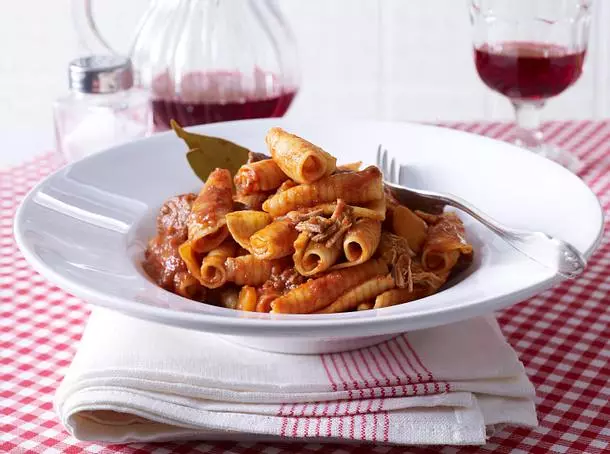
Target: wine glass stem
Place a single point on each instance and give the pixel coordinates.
(529, 133)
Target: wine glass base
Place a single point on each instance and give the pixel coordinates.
(559, 155)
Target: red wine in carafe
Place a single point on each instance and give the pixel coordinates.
(213, 97)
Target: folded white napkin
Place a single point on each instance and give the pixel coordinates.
(133, 380)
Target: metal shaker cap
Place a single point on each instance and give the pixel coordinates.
(101, 74)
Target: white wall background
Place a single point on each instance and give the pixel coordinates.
(389, 59)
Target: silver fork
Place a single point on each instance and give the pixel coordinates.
(548, 251)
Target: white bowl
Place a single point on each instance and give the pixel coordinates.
(85, 228)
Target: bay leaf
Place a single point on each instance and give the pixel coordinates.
(207, 153)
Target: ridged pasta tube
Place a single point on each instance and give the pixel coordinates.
(274, 241)
(312, 258)
(399, 296)
(445, 241)
(243, 224)
(248, 270)
(408, 225)
(360, 242)
(259, 176)
(213, 269)
(375, 209)
(319, 293)
(206, 224)
(186, 285)
(353, 188)
(252, 201)
(191, 259)
(360, 294)
(301, 160)
(247, 299)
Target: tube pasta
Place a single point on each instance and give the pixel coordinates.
(186, 285)
(243, 224)
(408, 225)
(360, 242)
(247, 299)
(350, 167)
(312, 258)
(359, 294)
(318, 293)
(252, 201)
(213, 270)
(248, 270)
(444, 244)
(264, 302)
(399, 296)
(274, 241)
(191, 259)
(301, 160)
(206, 223)
(353, 188)
(375, 209)
(259, 176)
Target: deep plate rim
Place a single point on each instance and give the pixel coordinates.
(278, 325)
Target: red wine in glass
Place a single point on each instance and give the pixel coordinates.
(528, 70)
(217, 96)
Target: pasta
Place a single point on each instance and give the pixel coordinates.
(444, 244)
(252, 201)
(318, 293)
(301, 160)
(206, 223)
(247, 299)
(350, 167)
(312, 258)
(356, 187)
(213, 272)
(243, 224)
(259, 176)
(360, 294)
(248, 270)
(274, 241)
(373, 210)
(409, 226)
(190, 259)
(398, 296)
(301, 235)
(186, 285)
(365, 306)
(361, 242)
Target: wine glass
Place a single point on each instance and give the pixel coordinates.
(529, 51)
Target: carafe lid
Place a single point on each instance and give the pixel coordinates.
(100, 74)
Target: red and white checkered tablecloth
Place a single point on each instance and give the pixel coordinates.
(562, 336)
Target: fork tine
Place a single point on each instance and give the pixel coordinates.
(384, 163)
(392, 170)
(378, 161)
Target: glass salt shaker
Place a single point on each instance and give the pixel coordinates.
(102, 109)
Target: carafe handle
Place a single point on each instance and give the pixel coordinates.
(86, 28)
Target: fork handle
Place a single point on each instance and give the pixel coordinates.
(568, 261)
(489, 222)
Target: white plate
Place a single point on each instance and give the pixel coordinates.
(85, 228)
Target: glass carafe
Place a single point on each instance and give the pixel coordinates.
(206, 61)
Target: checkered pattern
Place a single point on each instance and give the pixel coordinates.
(562, 336)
